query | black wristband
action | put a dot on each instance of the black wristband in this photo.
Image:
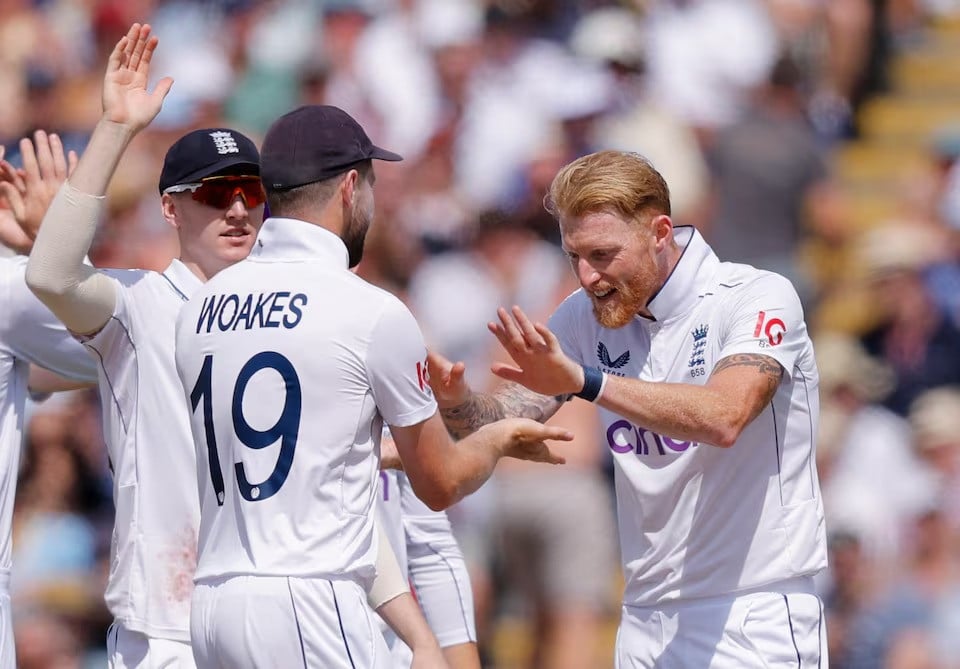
(592, 384)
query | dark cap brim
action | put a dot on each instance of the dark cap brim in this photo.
(382, 154)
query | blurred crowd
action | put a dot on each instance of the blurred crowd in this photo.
(741, 104)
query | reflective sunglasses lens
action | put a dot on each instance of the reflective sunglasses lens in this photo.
(220, 194)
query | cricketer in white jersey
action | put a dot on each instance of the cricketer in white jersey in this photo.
(29, 333)
(707, 385)
(426, 549)
(292, 362)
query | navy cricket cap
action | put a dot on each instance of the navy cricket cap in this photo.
(209, 152)
(313, 143)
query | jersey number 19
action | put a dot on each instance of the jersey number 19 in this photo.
(285, 429)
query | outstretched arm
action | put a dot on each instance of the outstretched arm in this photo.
(81, 297)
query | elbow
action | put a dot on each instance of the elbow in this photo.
(40, 283)
(440, 499)
(727, 434)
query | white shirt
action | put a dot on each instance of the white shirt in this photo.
(147, 431)
(697, 520)
(293, 364)
(427, 551)
(29, 333)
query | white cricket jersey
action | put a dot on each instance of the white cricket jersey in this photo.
(147, 430)
(428, 553)
(29, 333)
(292, 363)
(698, 520)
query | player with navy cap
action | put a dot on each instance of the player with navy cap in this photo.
(293, 364)
(211, 195)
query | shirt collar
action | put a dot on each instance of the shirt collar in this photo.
(292, 239)
(697, 264)
(181, 278)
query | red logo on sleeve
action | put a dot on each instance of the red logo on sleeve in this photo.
(774, 328)
(423, 376)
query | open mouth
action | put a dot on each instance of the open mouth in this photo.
(236, 232)
(604, 295)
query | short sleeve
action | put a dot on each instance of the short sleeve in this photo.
(397, 368)
(766, 317)
(114, 341)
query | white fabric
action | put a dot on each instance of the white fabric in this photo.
(256, 622)
(147, 431)
(425, 546)
(334, 357)
(782, 627)
(29, 333)
(696, 520)
(132, 650)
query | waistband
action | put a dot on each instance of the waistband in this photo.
(790, 586)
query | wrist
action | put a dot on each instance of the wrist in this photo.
(123, 131)
(594, 382)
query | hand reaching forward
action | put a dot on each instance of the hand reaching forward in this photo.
(125, 97)
(525, 439)
(541, 365)
(446, 380)
(29, 191)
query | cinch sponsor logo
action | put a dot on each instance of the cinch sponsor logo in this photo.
(625, 437)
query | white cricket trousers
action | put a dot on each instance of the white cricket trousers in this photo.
(127, 649)
(780, 627)
(267, 622)
(8, 655)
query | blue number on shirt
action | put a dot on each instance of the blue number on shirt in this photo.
(202, 390)
(286, 429)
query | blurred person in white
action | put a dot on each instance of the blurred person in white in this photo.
(637, 119)
(211, 194)
(29, 335)
(707, 385)
(695, 69)
(873, 483)
(935, 419)
(429, 555)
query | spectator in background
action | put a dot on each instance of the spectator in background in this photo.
(912, 334)
(873, 483)
(767, 170)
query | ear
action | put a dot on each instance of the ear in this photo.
(662, 230)
(348, 189)
(168, 205)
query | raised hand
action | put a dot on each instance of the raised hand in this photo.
(526, 439)
(541, 365)
(126, 100)
(11, 235)
(29, 191)
(446, 380)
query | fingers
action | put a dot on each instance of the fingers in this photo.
(507, 372)
(527, 328)
(72, 160)
(11, 174)
(28, 157)
(148, 50)
(14, 199)
(44, 156)
(59, 159)
(161, 89)
(140, 41)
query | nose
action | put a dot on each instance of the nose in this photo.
(238, 207)
(586, 273)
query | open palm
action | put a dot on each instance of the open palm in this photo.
(125, 97)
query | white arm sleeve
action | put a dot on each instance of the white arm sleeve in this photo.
(389, 581)
(81, 297)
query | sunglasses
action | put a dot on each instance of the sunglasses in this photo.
(220, 192)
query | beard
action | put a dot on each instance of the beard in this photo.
(628, 301)
(355, 234)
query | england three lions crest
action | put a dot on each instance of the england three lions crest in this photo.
(699, 335)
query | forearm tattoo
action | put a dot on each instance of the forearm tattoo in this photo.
(769, 368)
(509, 401)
